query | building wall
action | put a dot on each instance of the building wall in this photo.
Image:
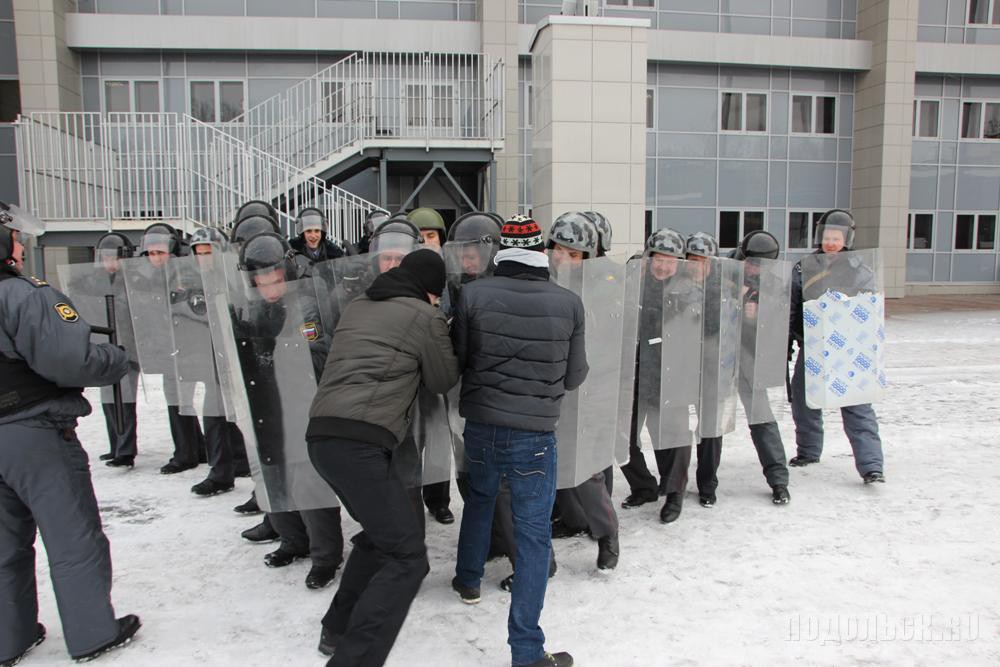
(441, 10)
(949, 21)
(10, 103)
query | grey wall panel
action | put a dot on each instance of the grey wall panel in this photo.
(128, 6)
(743, 78)
(689, 5)
(686, 145)
(742, 184)
(933, 11)
(948, 123)
(348, 9)
(259, 90)
(943, 225)
(91, 89)
(974, 267)
(745, 25)
(8, 143)
(978, 189)
(848, 30)
(942, 267)
(926, 85)
(920, 267)
(6, 9)
(949, 152)
(682, 182)
(822, 29)
(781, 7)
(8, 49)
(978, 153)
(980, 87)
(804, 81)
(779, 113)
(779, 148)
(743, 146)
(89, 64)
(923, 187)
(751, 7)
(688, 110)
(174, 93)
(282, 8)
(946, 188)
(812, 185)
(300, 66)
(651, 138)
(844, 150)
(172, 7)
(130, 65)
(86, 6)
(173, 64)
(931, 34)
(952, 86)
(812, 148)
(846, 115)
(216, 65)
(982, 36)
(695, 76)
(774, 222)
(816, 9)
(843, 186)
(650, 181)
(214, 7)
(686, 220)
(8, 179)
(781, 27)
(777, 184)
(428, 10)
(925, 152)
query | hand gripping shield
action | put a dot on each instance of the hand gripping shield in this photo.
(589, 422)
(266, 344)
(339, 281)
(764, 338)
(843, 322)
(721, 324)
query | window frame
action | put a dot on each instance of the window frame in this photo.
(911, 218)
(975, 232)
(741, 228)
(131, 94)
(630, 4)
(217, 98)
(981, 136)
(814, 216)
(743, 111)
(918, 113)
(651, 115)
(813, 116)
(992, 14)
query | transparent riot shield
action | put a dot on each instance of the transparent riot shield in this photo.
(588, 424)
(764, 338)
(843, 318)
(193, 355)
(266, 337)
(628, 365)
(339, 281)
(466, 261)
(681, 299)
(721, 324)
(432, 433)
(220, 279)
(89, 287)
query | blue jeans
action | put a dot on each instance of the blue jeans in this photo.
(527, 459)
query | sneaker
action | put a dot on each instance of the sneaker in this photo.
(172, 467)
(873, 477)
(107, 457)
(320, 576)
(639, 498)
(327, 642)
(121, 462)
(561, 530)
(800, 461)
(39, 638)
(210, 487)
(249, 507)
(280, 558)
(507, 583)
(707, 500)
(779, 495)
(443, 515)
(468, 594)
(671, 510)
(261, 533)
(561, 659)
(607, 552)
(127, 627)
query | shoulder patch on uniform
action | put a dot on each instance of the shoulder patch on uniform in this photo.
(66, 312)
(309, 331)
(35, 282)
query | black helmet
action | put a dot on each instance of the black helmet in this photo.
(701, 244)
(114, 244)
(209, 236)
(603, 230)
(267, 250)
(759, 244)
(665, 242)
(574, 230)
(160, 233)
(310, 218)
(251, 226)
(838, 219)
(374, 219)
(475, 226)
(397, 233)
(15, 219)
(255, 207)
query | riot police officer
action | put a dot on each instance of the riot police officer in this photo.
(45, 484)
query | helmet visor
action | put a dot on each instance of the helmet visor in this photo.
(16, 218)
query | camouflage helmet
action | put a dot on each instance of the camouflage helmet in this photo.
(603, 230)
(475, 226)
(758, 244)
(209, 236)
(574, 230)
(665, 242)
(840, 220)
(426, 218)
(701, 244)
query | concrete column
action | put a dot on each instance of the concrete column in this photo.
(589, 142)
(50, 72)
(498, 19)
(883, 118)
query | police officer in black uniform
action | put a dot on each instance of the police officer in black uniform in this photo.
(46, 357)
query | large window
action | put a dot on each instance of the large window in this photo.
(216, 101)
(131, 96)
(920, 231)
(650, 108)
(981, 120)
(734, 225)
(984, 11)
(925, 118)
(630, 3)
(975, 231)
(814, 114)
(743, 112)
(10, 100)
(802, 228)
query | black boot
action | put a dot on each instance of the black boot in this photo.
(327, 642)
(779, 495)
(249, 507)
(280, 558)
(121, 462)
(39, 638)
(262, 532)
(639, 498)
(320, 576)
(562, 659)
(127, 627)
(507, 583)
(210, 487)
(607, 552)
(671, 510)
(801, 461)
(107, 457)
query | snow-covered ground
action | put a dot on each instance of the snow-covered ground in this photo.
(904, 573)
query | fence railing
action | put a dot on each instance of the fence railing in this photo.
(163, 166)
(373, 97)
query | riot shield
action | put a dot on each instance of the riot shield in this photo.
(89, 286)
(629, 361)
(681, 300)
(843, 319)
(192, 353)
(432, 433)
(764, 338)
(588, 427)
(466, 261)
(220, 279)
(721, 325)
(339, 281)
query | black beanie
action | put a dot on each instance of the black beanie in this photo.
(427, 270)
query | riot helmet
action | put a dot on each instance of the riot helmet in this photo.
(161, 238)
(758, 244)
(265, 252)
(250, 226)
(15, 219)
(114, 244)
(429, 222)
(603, 231)
(310, 218)
(392, 241)
(209, 236)
(476, 226)
(373, 220)
(575, 231)
(836, 219)
(255, 207)
(666, 242)
(701, 244)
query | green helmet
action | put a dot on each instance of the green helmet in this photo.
(427, 218)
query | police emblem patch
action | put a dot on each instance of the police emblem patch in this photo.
(309, 331)
(66, 312)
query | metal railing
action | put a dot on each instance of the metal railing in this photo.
(371, 98)
(163, 166)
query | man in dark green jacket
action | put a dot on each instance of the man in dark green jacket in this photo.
(387, 344)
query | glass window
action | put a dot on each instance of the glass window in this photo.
(756, 112)
(752, 221)
(230, 100)
(203, 101)
(732, 116)
(925, 118)
(729, 229)
(825, 112)
(736, 106)
(979, 11)
(991, 121)
(801, 113)
(798, 230)
(147, 96)
(971, 112)
(650, 107)
(965, 226)
(648, 223)
(116, 97)
(643, 3)
(920, 231)
(10, 100)
(986, 232)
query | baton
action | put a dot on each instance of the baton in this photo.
(116, 388)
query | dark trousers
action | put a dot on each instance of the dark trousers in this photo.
(437, 496)
(389, 558)
(122, 444)
(219, 436)
(45, 487)
(589, 506)
(316, 533)
(186, 433)
(709, 457)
